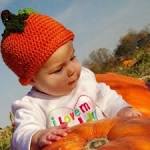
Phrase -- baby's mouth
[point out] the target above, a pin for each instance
(74, 80)
(71, 82)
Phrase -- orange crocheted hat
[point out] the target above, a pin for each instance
(29, 41)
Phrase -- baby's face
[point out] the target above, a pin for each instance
(59, 75)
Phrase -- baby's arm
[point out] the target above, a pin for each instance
(109, 101)
(47, 136)
(129, 112)
(29, 119)
(113, 104)
(31, 132)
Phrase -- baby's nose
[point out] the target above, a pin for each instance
(70, 70)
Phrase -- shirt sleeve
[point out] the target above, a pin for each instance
(29, 118)
(108, 100)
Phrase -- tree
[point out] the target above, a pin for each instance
(97, 59)
(127, 45)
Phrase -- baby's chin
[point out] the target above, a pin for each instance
(67, 89)
(61, 93)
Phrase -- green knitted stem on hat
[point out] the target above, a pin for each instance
(26, 11)
(14, 23)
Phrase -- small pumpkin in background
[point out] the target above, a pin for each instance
(129, 63)
(114, 133)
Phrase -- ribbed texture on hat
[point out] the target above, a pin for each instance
(26, 52)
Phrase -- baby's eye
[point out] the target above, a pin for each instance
(57, 71)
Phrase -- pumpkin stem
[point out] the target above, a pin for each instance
(14, 23)
(96, 143)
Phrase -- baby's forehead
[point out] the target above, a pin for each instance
(59, 57)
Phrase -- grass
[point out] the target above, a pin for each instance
(5, 138)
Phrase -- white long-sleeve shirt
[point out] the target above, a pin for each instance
(87, 102)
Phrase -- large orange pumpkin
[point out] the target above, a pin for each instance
(115, 133)
(133, 90)
(107, 134)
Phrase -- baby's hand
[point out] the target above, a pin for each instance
(129, 112)
(47, 136)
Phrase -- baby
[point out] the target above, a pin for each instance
(39, 50)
